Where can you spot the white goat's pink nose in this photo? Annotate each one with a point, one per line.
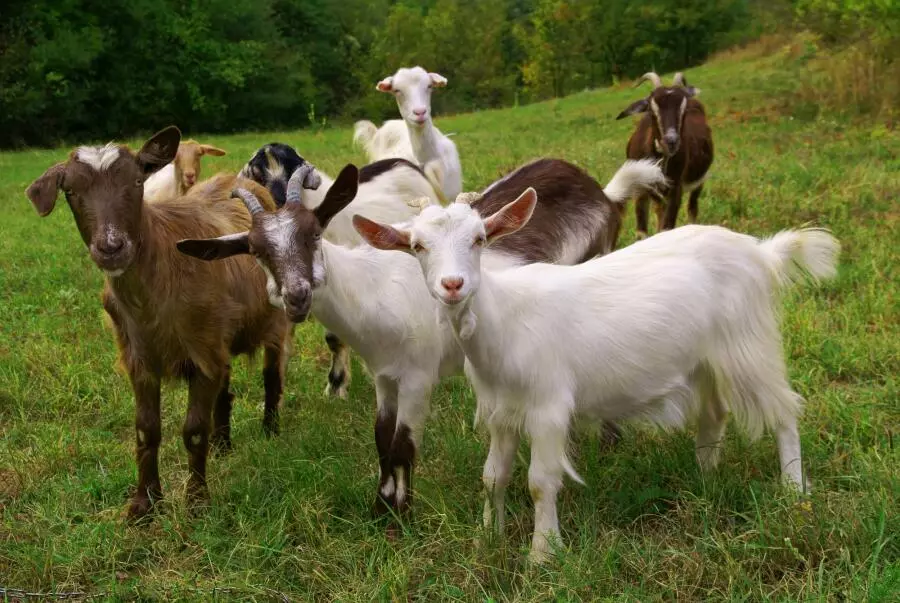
(420, 112)
(452, 285)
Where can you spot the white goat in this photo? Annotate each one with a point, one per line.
(679, 325)
(413, 137)
(376, 301)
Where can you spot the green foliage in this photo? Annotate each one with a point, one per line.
(85, 69)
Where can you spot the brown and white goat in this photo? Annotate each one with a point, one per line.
(373, 301)
(673, 130)
(174, 317)
(176, 178)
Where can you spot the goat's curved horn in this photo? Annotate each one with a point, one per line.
(304, 176)
(419, 202)
(679, 80)
(469, 198)
(249, 199)
(651, 77)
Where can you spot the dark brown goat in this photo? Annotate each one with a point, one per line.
(174, 317)
(673, 129)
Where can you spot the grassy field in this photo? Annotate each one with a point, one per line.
(291, 516)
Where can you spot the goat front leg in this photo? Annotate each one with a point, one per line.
(148, 430)
(672, 207)
(413, 400)
(385, 426)
(545, 475)
(340, 372)
(498, 469)
(221, 435)
(273, 381)
(202, 395)
(694, 204)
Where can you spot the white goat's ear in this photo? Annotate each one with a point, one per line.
(437, 80)
(381, 236)
(511, 217)
(215, 249)
(386, 85)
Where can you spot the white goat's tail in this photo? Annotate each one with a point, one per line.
(793, 254)
(363, 134)
(434, 173)
(635, 176)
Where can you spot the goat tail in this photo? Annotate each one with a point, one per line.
(434, 173)
(634, 177)
(363, 134)
(793, 254)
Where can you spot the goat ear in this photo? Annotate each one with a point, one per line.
(386, 85)
(437, 80)
(511, 217)
(381, 236)
(159, 150)
(44, 190)
(206, 149)
(339, 196)
(216, 249)
(692, 91)
(640, 106)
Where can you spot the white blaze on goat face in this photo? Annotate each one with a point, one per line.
(99, 158)
(412, 89)
(448, 242)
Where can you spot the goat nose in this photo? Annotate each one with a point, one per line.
(452, 285)
(419, 112)
(110, 245)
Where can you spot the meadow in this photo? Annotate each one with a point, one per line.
(290, 517)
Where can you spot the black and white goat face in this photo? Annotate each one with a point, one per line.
(272, 166)
(286, 243)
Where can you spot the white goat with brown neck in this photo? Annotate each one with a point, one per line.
(414, 136)
(678, 326)
(376, 301)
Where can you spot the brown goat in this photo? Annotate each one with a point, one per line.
(178, 177)
(674, 131)
(174, 317)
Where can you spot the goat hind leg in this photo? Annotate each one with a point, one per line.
(641, 209)
(202, 394)
(545, 476)
(385, 426)
(694, 204)
(711, 423)
(413, 401)
(221, 435)
(340, 372)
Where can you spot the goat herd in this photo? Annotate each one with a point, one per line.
(505, 285)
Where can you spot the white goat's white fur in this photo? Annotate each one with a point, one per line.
(682, 325)
(99, 158)
(377, 303)
(413, 137)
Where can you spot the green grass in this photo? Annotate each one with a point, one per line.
(291, 515)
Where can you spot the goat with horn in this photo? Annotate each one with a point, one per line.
(673, 130)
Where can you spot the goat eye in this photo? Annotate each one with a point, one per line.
(419, 248)
(478, 242)
(139, 182)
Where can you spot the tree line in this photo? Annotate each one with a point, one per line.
(101, 69)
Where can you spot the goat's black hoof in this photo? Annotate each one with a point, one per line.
(271, 427)
(337, 384)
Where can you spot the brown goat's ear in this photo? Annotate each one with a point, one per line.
(339, 196)
(216, 249)
(44, 190)
(511, 217)
(159, 150)
(640, 106)
(206, 149)
(381, 236)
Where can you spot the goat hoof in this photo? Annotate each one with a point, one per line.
(140, 509)
(271, 427)
(382, 506)
(337, 385)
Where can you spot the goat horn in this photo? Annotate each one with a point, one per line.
(469, 198)
(419, 202)
(304, 176)
(249, 199)
(679, 80)
(651, 77)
